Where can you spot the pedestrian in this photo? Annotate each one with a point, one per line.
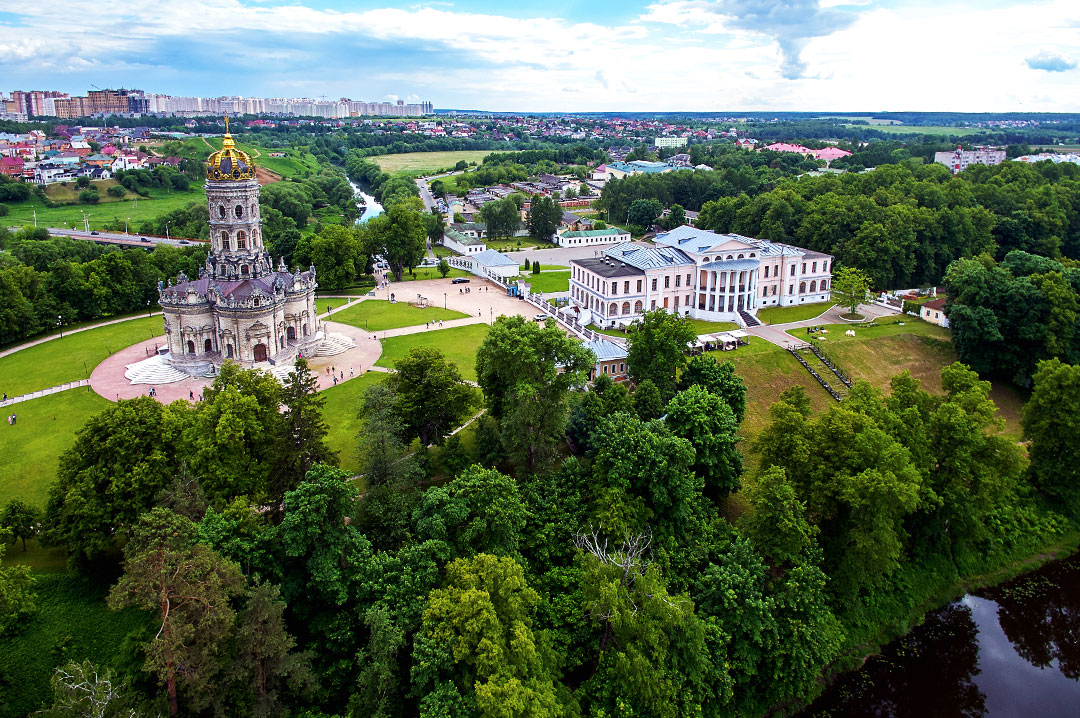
(440, 324)
(335, 381)
(477, 312)
(350, 372)
(191, 395)
(5, 396)
(328, 371)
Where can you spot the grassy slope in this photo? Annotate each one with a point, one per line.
(797, 313)
(159, 202)
(419, 163)
(703, 327)
(880, 352)
(32, 447)
(62, 360)
(71, 623)
(340, 412)
(459, 345)
(378, 314)
(296, 163)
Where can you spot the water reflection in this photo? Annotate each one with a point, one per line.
(1010, 651)
(1040, 615)
(929, 673)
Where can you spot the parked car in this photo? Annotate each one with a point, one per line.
(541, 317)
(459, 280)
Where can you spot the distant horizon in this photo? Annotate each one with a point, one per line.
(633, 55)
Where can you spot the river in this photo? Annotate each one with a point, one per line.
(371, 206)
(1010, 651)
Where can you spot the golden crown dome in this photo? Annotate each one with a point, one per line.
(229, 163)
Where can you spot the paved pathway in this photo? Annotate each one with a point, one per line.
(42, 340)
(45, 392)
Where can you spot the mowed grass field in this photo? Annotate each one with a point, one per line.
(375, 315)
(71, 358)
(549, 281)
(797, 313)
(31, 448)
(458, 344)
(134, 210)
(423, 163)
(341, 413)
(933, 130)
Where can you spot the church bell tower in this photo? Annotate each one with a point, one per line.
(232, 193)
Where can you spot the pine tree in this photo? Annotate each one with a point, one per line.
(304, 441)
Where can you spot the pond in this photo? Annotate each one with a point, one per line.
(1013, 650)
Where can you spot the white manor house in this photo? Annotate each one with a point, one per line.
(698, 274)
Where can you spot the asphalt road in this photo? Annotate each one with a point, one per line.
(119, 238)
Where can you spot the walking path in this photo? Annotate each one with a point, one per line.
(42, 340)
(45, 392)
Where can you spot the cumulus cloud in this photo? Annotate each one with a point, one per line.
(790, 23)
(1050, 62)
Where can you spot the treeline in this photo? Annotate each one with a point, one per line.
(606, 582)
(1006, 318)
(736, 172)
(46, 277)
(903, 224)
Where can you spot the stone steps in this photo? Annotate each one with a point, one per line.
(153, 371)
(333, 345)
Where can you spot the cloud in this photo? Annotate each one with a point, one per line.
(790, 23)
(1050, 62)
(602, 79)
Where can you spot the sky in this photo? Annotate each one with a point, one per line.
(563, 56)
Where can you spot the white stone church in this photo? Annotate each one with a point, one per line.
(240, 307)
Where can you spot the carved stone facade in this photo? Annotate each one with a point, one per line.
(241, 307)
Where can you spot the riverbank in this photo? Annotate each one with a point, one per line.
(1064, 547)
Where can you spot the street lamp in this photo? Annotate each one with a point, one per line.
(444, 300)
(60, 324)
(148, 312)
(166, 230)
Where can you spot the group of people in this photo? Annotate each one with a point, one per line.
(13, 418)
(334, 374)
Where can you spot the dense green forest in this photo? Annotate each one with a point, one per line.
(585, 557)
(903, 224)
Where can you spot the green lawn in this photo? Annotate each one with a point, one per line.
(797, 313)
(517, 244)
(609, 332)
(31, 448)
(424, 163)
(131, 208)
(430, 273)
(549, 281)
(71, 623)
(459, 345)
(703, 327)
(59, 361)
(341, 411)
(69, 191)
(441, 251)
(934, 130)
(375, 315)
